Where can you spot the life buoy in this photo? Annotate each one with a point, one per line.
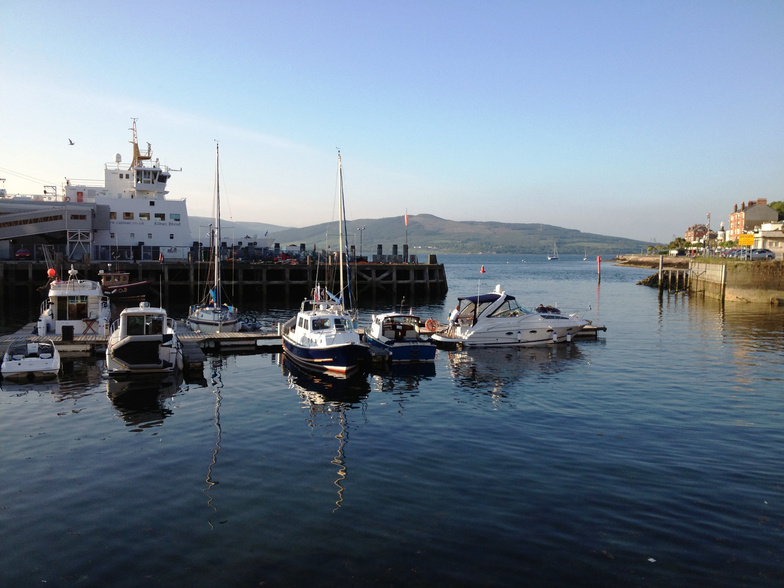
(431, 324)
(67, 198)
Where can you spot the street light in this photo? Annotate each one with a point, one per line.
(360, 229)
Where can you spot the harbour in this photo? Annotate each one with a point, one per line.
(622, 459)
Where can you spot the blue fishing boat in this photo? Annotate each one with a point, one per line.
(401, 336)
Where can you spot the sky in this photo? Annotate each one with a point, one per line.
(625, 118)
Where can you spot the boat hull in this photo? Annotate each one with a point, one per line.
(339, 359)
(210, 321)
(405, 351)
(144, 354)
(125, 291)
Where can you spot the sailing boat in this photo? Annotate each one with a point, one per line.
(554, 256)
(585, 255)
(211, 315)
(322, 336)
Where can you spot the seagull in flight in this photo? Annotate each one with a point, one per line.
(70, 142)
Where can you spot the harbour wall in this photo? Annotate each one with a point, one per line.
(244, 281)
(739, 281)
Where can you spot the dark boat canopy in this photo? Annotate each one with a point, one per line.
(484, 298)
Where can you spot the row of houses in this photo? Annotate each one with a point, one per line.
(752, 217)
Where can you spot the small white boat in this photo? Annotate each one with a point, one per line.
(496, 320)
(401, 336)
(31, 360)
(211, 315)
(79, 304)
(554, 256)
(143, 341)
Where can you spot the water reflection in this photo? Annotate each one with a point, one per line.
(143, 402)
(216, 380)
(494, 371)
(328, 400)
(402, 380)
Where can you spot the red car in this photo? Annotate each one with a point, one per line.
(22, 254)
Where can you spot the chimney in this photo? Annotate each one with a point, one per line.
(736, 208)
(762, 201)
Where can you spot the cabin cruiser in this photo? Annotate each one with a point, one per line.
(143, 341)
(401, 336)
(496, 319)
(27, 359)
(322, 336)
(76, 304)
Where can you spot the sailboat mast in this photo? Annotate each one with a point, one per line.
(341, 217)
(217, 236)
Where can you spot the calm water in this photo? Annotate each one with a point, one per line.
(653, 457)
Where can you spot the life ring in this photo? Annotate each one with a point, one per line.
(431, 324)
(67, 198)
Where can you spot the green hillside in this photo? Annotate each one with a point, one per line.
(431, 234)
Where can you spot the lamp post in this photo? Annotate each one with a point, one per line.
(360, 229)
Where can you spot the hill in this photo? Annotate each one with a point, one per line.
(431, 234)
(230, 230)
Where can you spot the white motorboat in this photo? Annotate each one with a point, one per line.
(77, 304)
(211, 315)
(28, 359)
(401, 336)
(496, 319)
(143, 341)
(322, 335)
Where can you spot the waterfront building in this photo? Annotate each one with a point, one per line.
(749, 217)
(126, 217)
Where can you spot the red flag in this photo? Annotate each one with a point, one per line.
(406, 219)
(481, 271)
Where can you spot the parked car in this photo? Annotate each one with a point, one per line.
(762, 254)
(22, 254)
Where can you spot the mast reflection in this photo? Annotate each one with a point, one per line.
(329, 397)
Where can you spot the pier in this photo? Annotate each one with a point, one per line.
(256, 281)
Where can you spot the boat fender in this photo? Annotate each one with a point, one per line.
(431, 324)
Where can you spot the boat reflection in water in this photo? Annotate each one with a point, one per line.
(494, 370)
(402, 380)
(143, 402)
(329, 399)
(216, 381)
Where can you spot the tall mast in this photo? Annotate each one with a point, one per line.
(341, 215)
(217, 235)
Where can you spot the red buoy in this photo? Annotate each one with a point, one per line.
(51, 272)
(481, 271)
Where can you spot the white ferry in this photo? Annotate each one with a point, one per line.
(127, 216)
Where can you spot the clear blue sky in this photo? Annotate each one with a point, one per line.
(626, 118)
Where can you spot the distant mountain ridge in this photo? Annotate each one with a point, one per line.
(427, 233)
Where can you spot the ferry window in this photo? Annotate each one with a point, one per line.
(171, 235)
(111, 235)
(174, 216)
(78, 217)
(160, 216)
(127, 216)
(149, 235)
(152, 202)
(112, 216)
(133, 235)
(144, 216)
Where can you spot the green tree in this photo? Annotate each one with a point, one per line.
(778, 206)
